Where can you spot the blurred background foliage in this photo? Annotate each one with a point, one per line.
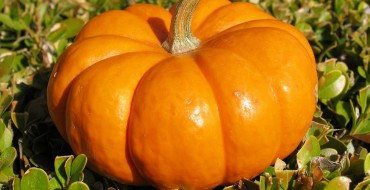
(333, 155)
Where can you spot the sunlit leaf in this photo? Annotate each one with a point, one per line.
(337, 183)
(310, 149)
(367, 165)
(35, 179)
(7, 157)
(59, 163)
(331, 84)
(78, 186)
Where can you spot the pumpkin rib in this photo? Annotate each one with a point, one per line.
(278, 25)
(157, 17)
(79, 56)
(189, 101)
(204, 9)
(251, 101)
(221, 19)
(115, 22)
(279, 75)
(309, 55)
(100, 92)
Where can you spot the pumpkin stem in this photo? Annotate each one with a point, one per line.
(180, 38)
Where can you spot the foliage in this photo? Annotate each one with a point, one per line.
(333, 155)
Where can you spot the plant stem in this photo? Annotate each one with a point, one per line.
(180, 38)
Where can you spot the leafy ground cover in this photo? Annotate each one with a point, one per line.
(333, 155)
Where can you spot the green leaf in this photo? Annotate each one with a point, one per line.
(364, 98)
(6, 66)
(35, 179)
(2, 127)
(367, 165)
(320, 186)
(66, 29)
(344, 110)
(331, 84)
(78, 164)
(304, 27)
(339, 6)
(5, 101)
(328, 152)
(78, 186)
(310, 149)
(4, 178)
(364, 185)
(55, 184)
(20, 120)
(338, 183)
(11, 23)
(60, 171)
(335, 144)
(68, 165)
(77, 167)
(6, 139)
(7, 157)
(16, 184)
(285, 177)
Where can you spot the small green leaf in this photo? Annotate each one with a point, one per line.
(320, 186)
(6, 66)
(344, 110)
(310, 149)
(55, 184)
(4, 178)
(364, 185)
(6, 139)
(331, 84)
(367, 165)
(68, 165)
(60, 172)
(35, 179)
(20, 120)
(11, 23)
(285, 177)
(337, 183)
(328, 152)
(7, 157)
(5, 101)
(16, 184)
(2, 127)
(66, 29)
(364, 98)
(78, 186)
(304, 27)
(78, 165)
(335, 144)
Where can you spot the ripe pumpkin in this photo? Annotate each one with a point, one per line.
(213, 96)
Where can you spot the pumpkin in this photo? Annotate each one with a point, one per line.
(213, 94)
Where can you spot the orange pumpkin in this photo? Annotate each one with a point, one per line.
(213, 96)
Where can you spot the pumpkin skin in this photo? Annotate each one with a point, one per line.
(212, 116)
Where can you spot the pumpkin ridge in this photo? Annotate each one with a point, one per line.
(206, 18)
(302, 42)
(156, 16)
(229, 40)
(233, 170)
(89, 120)
(198, 121)
(220, 36)
(114, 22)
(221, 19)
(71, 64)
